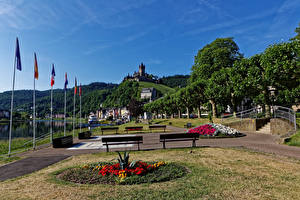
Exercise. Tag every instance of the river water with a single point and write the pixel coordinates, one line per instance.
(25, 129)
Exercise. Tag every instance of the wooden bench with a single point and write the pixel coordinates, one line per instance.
(84, 135)
(62, 142)
(157, 127)
(133, 128)
(122, 140)
(175, 137)
(188, 125)
(109, 129)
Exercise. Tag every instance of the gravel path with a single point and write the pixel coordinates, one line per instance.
(36, 160)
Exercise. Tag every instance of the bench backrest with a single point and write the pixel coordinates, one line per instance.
(157, 126)
(178, 136)
(122, 139)
(133, 127)
(109, 128)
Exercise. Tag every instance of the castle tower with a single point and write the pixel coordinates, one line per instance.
(142, 69)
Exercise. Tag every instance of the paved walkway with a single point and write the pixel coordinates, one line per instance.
(36, 160)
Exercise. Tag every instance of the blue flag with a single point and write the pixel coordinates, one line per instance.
(66, 81)
(18, 56)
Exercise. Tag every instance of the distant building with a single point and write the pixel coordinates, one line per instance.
(4, 114)
(141, 75)
(148, 93)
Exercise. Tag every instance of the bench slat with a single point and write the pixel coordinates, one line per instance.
(174, 137)
(109, 128)
(122, 140)
(133, 127)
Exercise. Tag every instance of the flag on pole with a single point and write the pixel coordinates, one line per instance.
(75, 88)
(52, 75)
(80, 90)
(18, 56)
(66, 81)
(36, 70)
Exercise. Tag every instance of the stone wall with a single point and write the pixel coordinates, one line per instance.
(248, 124)
(244, 125)
(281, 127)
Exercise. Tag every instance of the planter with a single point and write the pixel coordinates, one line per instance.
(84, 135)
(62, 142)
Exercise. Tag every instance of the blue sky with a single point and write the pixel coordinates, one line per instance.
(101, 40)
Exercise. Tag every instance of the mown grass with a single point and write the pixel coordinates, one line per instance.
(215, 173)
(23, 144)
(183, 121)
(97, 131)
(294, 140)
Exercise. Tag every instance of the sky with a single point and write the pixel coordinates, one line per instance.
(103, 41)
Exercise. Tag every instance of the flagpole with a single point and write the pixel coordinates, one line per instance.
(80, 108)
(11, 109)
(65, 112)
(51, 117)
(33, 140)
(74, 112)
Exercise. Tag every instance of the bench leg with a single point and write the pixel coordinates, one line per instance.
(194, 143)
(138, 146)
(107, 150)
(164, 144)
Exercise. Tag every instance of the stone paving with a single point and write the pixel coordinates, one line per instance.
(38, 159)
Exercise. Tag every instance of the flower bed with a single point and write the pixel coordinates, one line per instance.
(215, 130)
(110, 173)
(123, 172)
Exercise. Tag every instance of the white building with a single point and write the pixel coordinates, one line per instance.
(148, 93)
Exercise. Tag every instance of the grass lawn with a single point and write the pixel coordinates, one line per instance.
(215, 173)
(183, 121)
(23, 144)
(294, 140)
(97, 131)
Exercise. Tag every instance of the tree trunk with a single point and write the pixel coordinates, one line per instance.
(214, 108)
(234, 107)
(267, 103)
(187, 112)
(268, 110)
(199, 111)
(179, 114)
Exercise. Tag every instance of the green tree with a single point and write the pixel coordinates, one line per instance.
(210, 65)
(122, 94)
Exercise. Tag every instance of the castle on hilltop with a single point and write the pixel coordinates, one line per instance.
(141, 75)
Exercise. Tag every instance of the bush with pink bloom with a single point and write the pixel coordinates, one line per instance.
(214, 130)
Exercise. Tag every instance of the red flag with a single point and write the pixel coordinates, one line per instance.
(36, 70)
(80, 90)
(75, 88)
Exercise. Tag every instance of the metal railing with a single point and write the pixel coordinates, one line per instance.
(285, 113)
(277, 112)
(250, 113)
